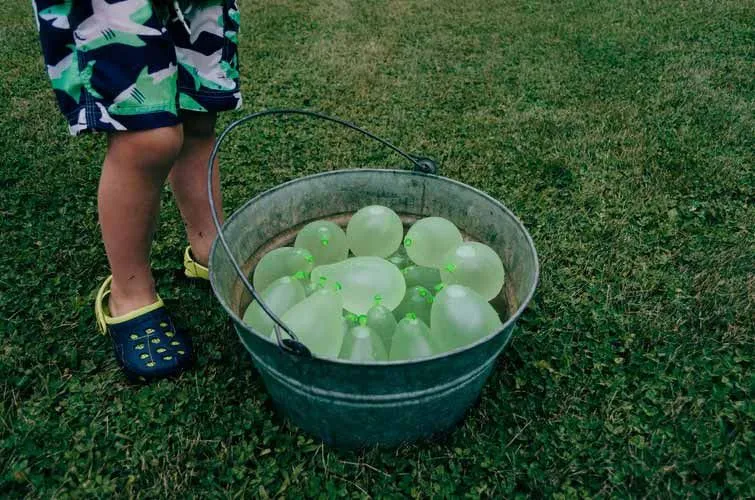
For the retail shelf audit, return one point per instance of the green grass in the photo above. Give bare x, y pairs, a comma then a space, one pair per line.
620, 132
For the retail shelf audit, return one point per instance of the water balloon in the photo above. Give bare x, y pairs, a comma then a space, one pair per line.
476, 266
325, 240
374, 231
412, 340
317, 321
429, 239
363, 282
361, 344
461, 316
428, 277
311, 287
284, 261
417, 300
382, 321
280, 296
399, 258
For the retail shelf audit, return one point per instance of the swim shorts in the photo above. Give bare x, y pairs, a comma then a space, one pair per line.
133, 64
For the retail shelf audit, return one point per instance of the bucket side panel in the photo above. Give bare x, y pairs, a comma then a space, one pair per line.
350, 424
387, 381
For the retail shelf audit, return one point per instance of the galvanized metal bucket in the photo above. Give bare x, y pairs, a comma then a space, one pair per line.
343, 403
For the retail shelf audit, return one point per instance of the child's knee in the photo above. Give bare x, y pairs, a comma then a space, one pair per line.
155, 148
162, 143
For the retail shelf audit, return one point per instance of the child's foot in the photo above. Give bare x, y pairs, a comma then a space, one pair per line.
145, 341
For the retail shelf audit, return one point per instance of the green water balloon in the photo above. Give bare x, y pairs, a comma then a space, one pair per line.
383, 322
417, 300
363, 282
352, 318
345, 325
349, 320
361, 344
399, 258
284, 261
325, 240
311, 287
374, 231
461, 316
428, 277
282, 294
318, 323
412, 340
476, 266
430, 239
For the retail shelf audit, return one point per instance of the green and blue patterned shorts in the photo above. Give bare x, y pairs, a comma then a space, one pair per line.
133, 64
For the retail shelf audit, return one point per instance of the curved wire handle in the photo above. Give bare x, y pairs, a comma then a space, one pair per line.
292, 345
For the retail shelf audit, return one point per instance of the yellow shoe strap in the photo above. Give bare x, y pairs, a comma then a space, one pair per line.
102, 313
99, 305
194, 269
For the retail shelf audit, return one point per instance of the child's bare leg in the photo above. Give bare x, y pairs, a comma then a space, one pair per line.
188, 178
134, 171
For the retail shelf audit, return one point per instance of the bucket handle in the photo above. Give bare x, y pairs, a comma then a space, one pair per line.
291, 345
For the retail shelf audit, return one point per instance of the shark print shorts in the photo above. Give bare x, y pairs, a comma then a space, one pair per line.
133, 64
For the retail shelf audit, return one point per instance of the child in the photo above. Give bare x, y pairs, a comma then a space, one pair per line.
152, 74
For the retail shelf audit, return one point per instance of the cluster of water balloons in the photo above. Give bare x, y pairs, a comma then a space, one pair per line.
389, 301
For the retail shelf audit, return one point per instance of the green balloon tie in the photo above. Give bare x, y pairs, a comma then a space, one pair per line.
309, 258
362, 319
408, 242
451, 268
323, 236
378, 298
439, 287
423, 292
323, 279
300, 275
352, 318
338, 286
430, 299
411, 316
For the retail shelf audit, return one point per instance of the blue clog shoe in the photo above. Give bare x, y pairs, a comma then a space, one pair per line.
146, 343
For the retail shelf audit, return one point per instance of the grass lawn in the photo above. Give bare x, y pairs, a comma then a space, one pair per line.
620, 132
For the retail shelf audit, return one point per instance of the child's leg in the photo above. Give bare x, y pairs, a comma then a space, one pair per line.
188, 178
114, 68
208, 82
133, 174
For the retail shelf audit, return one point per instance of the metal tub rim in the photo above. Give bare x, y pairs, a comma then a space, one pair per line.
510, 321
